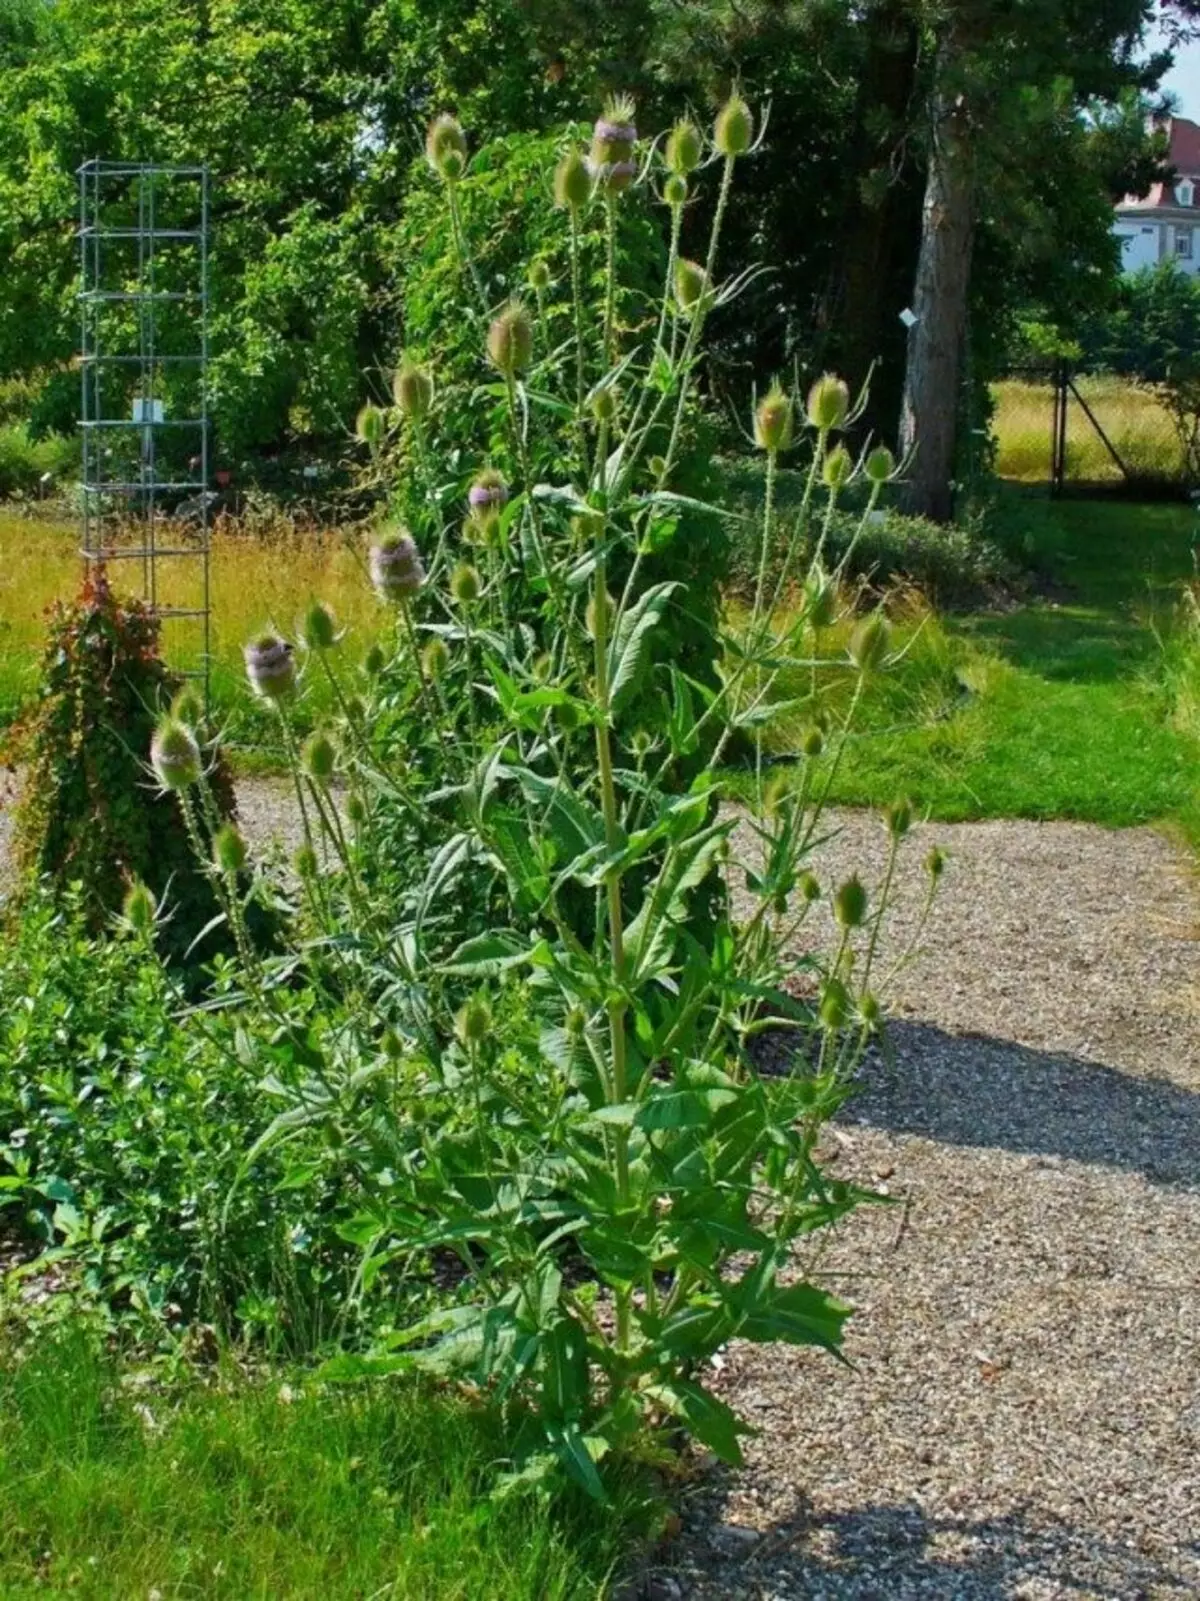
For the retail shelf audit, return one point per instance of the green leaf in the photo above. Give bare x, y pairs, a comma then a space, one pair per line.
628, 643
712, 1422
488, 953
799, 1314
683, 1108
579, 1454
565, 1370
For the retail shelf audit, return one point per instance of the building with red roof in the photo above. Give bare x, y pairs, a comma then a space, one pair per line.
1164, 225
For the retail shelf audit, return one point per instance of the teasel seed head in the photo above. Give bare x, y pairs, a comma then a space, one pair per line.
465, 584
473, 1021
320, 627
829, 403
397, 570
675, 190
604, 403
318, 757
691, 284
814, 742
880, 465
374, 661
356, 810
229, 849
510, 340
835, 1004
850, 903
935, 863
370, 426
139, 907
304, 863
446, 147
820, 599
614, 138
435, 657
539, 277
898, 818
187, 707
774, 420
412, 389
270, 667
809, 887
733, 132
572, 182
869, 643
175, 755
837, 469
391, 1045
870, 1011
685, 148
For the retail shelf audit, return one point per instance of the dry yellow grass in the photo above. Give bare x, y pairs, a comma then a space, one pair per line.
1132, 417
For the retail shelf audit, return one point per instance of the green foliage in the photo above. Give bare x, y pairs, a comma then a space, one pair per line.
24, 461
1153, 329
89, 812
110, 1485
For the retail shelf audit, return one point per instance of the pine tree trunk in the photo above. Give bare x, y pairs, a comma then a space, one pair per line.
933, 380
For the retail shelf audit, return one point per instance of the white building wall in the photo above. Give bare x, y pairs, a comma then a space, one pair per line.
1140, 244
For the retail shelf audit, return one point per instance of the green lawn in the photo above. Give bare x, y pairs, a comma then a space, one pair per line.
254, 1492
1060, 708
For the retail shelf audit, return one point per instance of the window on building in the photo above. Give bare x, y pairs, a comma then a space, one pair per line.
1183, 243
1184, 192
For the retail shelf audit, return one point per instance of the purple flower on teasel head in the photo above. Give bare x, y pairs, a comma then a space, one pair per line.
611, 160
397, 570
488, 492
270, 666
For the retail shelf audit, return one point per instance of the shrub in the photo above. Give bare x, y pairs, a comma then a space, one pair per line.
544, 1064
89, 812
24, 461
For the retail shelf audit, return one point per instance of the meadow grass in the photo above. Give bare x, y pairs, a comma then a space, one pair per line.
1071, 706
245, 1490
1132, 417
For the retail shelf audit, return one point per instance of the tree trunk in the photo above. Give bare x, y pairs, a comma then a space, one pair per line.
933, 380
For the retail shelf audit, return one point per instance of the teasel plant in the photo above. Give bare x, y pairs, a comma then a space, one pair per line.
565, 929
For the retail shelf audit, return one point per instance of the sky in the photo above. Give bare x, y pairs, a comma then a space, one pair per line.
1183, 80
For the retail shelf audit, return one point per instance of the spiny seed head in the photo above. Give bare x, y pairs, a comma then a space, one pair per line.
370, 426
604, 403
320, 627
356, 810
880, 465
657, 467
188, 706
539, 277
139, 908
397, 570
229, 849
355, 710
575, 1021
488, 495
837, 469
733, 132
175, 755
412, 389
446, 147
685, 148
305, 862
391, 1045
473, 1021
374, 661
691, 284
270, 667
675, 190
829, 403
870, 1011
599, 613
465, 584
814, 742
614, 137
572, 182
898, 818
435, 658
835, 1004
820, 599
809, 887
850, 903
318, 757
510, 340
774, 420
869, 643
935, 863
587, 526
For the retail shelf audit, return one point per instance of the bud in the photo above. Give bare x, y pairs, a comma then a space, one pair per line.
355, 710
850, 903
809, 887
838, 468
691, 284
356, 810
397, 570
685, 148
600, 614
188, 706
657, 467
567, 716
774, 420
510, 340
733, 133
464, 584
175, 755
814, 742
675, 190
614, 137
835, 1004
575, 1021
898, 818
473, 1021
604, 404
369, 426
318, 757
435, 658
391, 1045
880, 465
572, 182
829, 403
870, 1011
374, 662
229, 849
935, 863
446, 147
305, 862
412, 389
869, 643
139, 908
270, 667
820, 599
320, 628
539, 277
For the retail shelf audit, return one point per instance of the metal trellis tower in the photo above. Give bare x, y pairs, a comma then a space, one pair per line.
143, 248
